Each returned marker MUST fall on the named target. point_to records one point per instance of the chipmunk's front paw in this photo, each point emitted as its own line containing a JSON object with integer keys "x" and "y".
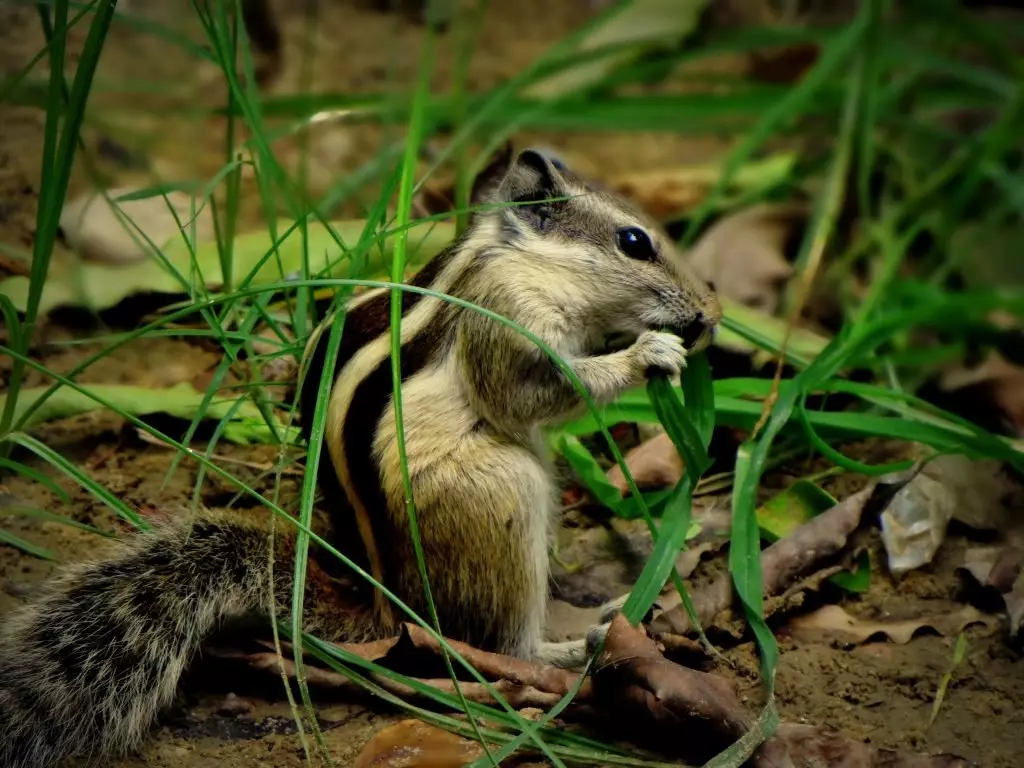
{"x": 659, "y": 352}
{"x": 613, "y": 608}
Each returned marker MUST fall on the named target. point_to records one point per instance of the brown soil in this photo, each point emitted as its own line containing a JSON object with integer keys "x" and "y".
{"x": 879, "y": 692}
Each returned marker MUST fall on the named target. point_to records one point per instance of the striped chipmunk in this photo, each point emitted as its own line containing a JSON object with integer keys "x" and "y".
{"x": 86, "y": 667}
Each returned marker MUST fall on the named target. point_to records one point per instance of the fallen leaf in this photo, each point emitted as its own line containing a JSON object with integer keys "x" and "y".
{"x": 786, "y": 561}
{"x": 743, "y": 254}
{"x": 654, "y": 464}
{"x": 182, "y": 400}
{"x": 1002, "y": 570}
{"x": 980, "y": 490}
{"x": 948, "y": 487}
{"x": 645, "y": 689}
{"x": 650, "y": 694}
{"x": 914, "y": 525}
{"x": 786, "y": 511}
{"x": 102, "y": 228}
{"x": 414, "y": 744}
{"x": 102, "y": 286}
{"x": 997, "y": 380}
{"x": 634, "y": 689}
{"x": 832, "y": 619}
{"x": 997, "y": 567}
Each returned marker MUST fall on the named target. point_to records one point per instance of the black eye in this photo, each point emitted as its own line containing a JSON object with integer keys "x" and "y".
{"x": 635, "y": 243}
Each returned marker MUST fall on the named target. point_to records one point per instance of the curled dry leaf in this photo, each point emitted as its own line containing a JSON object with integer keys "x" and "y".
{"x": 997, "y": 567}
{"x": 834, "y": 620}
{"x": 997, "y": 380}
{"x": 1001, "y": 569}
{"x": 646, "y": 693}
{"x": 650, "y": 692}
{"x": 414, "y": 744}
{"x": 914, "y": 525}
{"x": 949, "y": 487}
{"x": 980, "y": 489}
{"x": 654, "y": 463}
{"x": 743, "y": 253}
{"x": 103, "y": 229}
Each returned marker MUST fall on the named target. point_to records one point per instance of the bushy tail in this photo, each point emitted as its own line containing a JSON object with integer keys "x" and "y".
{"x": 85, "y": 670}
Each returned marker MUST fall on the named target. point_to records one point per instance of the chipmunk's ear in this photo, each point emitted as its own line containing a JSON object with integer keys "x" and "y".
{"x": 487, "y": 182}
{"x": 533, "y": 178}
{"x": 528, "y": 180}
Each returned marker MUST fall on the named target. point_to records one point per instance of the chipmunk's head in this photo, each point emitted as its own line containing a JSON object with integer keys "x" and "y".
{"x": 600, "y": 253}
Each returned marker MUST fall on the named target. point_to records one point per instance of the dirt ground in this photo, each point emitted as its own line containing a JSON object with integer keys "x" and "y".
{"x": 879, "y": 691}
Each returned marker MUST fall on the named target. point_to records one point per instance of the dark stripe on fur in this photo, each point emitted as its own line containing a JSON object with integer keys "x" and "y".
{"x": 363, "y": 324}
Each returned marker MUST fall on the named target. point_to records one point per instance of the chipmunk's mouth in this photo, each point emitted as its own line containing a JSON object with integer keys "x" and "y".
{"x": 697, "y": 335}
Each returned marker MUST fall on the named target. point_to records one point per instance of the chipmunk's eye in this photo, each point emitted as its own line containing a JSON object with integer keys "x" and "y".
{"x": 635, "y": 243}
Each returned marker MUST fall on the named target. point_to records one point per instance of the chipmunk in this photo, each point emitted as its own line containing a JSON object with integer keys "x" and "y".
{"x": 86, "y": 668}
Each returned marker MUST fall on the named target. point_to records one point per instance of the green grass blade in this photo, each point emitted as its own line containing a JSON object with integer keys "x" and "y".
{"x": 12, "y": 539}
{"x": 68, "y": 468}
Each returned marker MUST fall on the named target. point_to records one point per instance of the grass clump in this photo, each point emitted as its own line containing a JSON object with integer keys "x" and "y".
{"x": 895, "y": 187}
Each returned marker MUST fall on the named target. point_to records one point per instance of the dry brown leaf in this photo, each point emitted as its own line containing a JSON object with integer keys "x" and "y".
{"x": 654, "y": 463}
{"x": 743, "y": 254}
{"x": 664, "y": 193}
{"x": 786, "y": 561}
{"x": 657, "y": 697}
{"x": 1015, "y": 606}
{"x": 645, "y": 693}
{"x": 997, "y": 567}
{"x": 832, "y": 619}
{"x": 980, "y": 490}
{"x": 1002, "y": 569}
{"x": 1000, "y": 380}
{"x": 414, "y": 744}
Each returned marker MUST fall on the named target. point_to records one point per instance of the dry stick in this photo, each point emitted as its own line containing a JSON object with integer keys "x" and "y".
{"x": 519, "y": 671}
{"x": 781, "y": 563}
{"x": 518, "y": 696}
{"x": 523, "y": 683}
{"x": 635, "y": 691}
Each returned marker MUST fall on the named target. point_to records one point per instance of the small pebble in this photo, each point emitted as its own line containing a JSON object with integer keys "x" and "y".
{"x": 234, "y": 706}
{"x": 19, "y": 589}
